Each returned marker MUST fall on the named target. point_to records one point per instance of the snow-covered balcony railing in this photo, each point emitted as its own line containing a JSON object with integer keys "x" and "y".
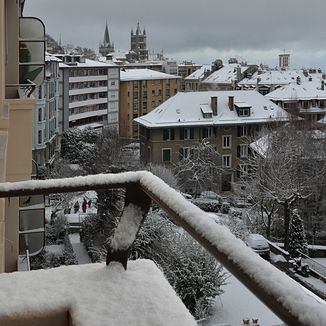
{"x": 275, "y": 289}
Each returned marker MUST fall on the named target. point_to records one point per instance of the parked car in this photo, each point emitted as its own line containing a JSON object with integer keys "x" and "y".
{"x": 258, "y": 244}
{"x": 210, "y": 195}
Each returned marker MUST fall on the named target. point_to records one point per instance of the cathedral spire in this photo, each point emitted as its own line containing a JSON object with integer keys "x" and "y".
{"x": 106, "y": 35}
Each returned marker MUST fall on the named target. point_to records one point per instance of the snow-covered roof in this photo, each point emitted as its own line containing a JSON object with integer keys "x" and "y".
{"x": 184, "y": 109}
{"x": 143, "y": 74}
{"x": 275, "y": 77}
{"x": 199, "y": 73}
{"x": 97, "y": 294}
{"x": 87, "y": 64}
{"x": 306, "y": 90}
{"x": 225, "y": 74}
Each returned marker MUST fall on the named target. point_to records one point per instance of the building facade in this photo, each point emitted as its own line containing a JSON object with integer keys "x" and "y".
{"x": 16, "y": 106}
{"x": 185, "y": 69}
{"x": 138, "y": 44}
{"x": 89, "y": 93}
{"x": 46, "y": 116}
{"x": 141, "y": 91}
{"x": 284, "y": 61}
{"x": 229, "y": 119}
{"x": 303, "y": 98}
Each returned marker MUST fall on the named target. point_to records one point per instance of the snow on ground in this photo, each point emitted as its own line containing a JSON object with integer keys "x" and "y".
{"x": 238, "y": 303}
{"x": 79, "y": 249}
{"x": 55, "y": 249}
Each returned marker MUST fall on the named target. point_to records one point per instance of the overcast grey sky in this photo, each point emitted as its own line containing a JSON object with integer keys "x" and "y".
{"x": 198, "y": 30}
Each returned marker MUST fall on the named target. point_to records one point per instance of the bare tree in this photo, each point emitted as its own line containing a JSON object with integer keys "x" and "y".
{"x": 199, "y": 166}
{"x": 282, "y": 173}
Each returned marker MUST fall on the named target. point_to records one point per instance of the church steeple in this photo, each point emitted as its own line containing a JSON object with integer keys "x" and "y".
{"x": 106, "y": 47}
{"x": 106, "y": 35}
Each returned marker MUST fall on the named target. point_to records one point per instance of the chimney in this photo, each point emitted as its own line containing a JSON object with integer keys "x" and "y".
{"x": 238, "y": 73}
{"x": 231, "y": 102}
{"x": 214, "y": 105}
{"x": 310, "y": 78}
{"x": 298, "y": 80}
{"x": 322, "y": 85}
{"x": 324, "y": 75}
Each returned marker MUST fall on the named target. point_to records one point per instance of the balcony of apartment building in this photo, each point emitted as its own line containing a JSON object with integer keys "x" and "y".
{"x": 123, "y": 292}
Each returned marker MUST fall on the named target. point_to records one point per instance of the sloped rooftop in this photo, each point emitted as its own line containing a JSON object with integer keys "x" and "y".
{"x": 143, "y": 74}
{"x": 184, "y": 109}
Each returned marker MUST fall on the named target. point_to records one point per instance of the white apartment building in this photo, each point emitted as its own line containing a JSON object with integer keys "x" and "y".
{"x": 45, "y": 121}
{"x": 89, "y": 92}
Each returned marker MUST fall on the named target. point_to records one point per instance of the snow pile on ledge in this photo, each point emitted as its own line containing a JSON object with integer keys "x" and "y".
{"x": 97, "y": 294}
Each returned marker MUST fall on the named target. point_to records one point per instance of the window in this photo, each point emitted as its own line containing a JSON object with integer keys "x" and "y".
{"x": 153, "y": 104}
{"x": 166, "y": 155}
{"x": 186, "y": 133}
{"x": 244, "y": 112}
{"x": 153, "y": 92}
{"x": 136, "y": 96}
{"x": 40, "y": 136}
{"x": 145, "y": 95}
{"x": 185, "y": 153}
{"x": 40, "y": 114}
{"x": 40, "y": 92}
{"x": 226, "y": 141}
{"x": 135, "y": 84}
{"x": 144, "y": 106}
{"x": 153, "y": 82}
{"x": 149, "y": 153}
{"x": 113, "y": 83}
{"x": 160, "y": 92}
{"x": 226, "y": 161}
{"x": 167, "y": 93}
{"x": 135, "y": 107}
{"x": 168, "y": 134}
{"x": 160, "y": 81}
{"x": 243, "y": 170}
{"x": 209, "y": 132}
{"x": 144, "y": 83}
{"x": 242, "y": 150}
{"x": 243, "y": 131}
{"x": 168, "y": 83}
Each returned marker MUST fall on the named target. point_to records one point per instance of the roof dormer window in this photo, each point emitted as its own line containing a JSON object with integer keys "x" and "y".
{"x": 243, "y": 109}
{"x": 244, "y": 112}
{"x": 206, "y": 111}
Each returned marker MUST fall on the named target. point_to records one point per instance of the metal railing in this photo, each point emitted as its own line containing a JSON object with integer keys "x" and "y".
{"x": 141, "y": 189}
{"x": 320, "y": 269}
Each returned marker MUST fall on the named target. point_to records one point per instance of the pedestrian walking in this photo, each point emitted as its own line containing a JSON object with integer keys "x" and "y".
{"x": 84, "y": 205}
{"x": 76, "y": 207}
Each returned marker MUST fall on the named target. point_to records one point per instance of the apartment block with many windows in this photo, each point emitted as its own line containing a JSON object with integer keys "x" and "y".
{"x": 229, "y": 119}
{"x": 46, "y": 115}
{"x": 141, "y": 91}
{"x": 89, "y": 93}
